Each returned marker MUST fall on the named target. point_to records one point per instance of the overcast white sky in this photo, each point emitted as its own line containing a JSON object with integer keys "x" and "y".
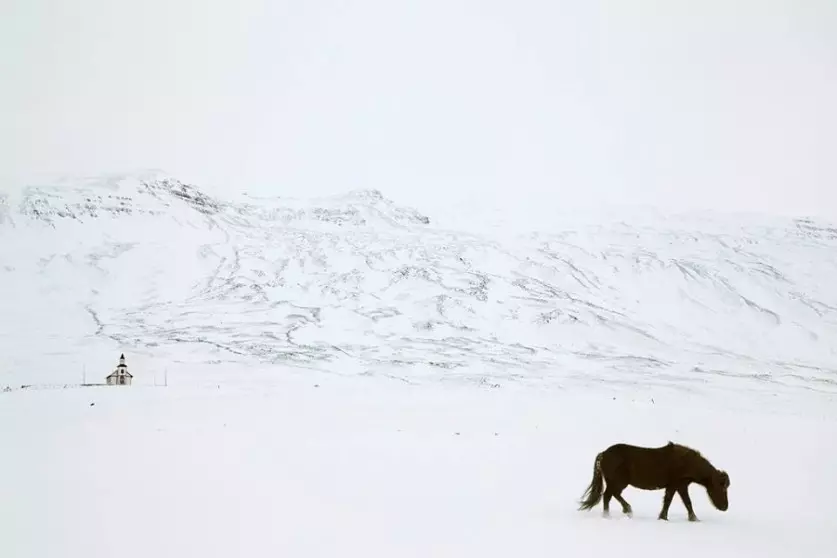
{"x": 723, "y": 104}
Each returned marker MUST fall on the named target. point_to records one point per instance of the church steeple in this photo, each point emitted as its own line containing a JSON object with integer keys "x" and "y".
{"x": 122, "y": 362}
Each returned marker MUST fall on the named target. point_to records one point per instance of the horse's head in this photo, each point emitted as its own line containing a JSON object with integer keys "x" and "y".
{"x": 717, "y": 490}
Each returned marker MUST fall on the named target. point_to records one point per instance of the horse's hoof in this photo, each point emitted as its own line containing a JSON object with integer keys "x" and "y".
{"x": 693, "y": 518}
{"x": 663, "y": 518}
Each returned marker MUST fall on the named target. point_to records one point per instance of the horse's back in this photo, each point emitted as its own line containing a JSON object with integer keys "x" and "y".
{"x": 644, "y": 467}
{"x": 630, "y": 449}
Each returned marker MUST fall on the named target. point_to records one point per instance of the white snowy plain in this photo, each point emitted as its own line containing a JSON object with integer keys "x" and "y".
{"x": 347, "y": 379}
{"x": 306, "y": 464}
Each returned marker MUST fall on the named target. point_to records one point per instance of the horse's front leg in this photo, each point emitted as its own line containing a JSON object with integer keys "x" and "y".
{"x": 666, "y": 503}
{"x": 687, "y": 501}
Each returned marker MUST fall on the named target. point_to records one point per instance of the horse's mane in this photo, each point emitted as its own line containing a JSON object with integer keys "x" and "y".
{"x": 685, "y": 449}
{"x": 695, "y": 454}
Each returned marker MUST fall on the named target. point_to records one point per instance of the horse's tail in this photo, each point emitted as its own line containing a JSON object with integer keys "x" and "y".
{"x": 593, "y": 494}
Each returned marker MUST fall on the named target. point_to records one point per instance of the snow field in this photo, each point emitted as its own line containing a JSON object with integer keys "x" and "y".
{"x": 373, "y": 467}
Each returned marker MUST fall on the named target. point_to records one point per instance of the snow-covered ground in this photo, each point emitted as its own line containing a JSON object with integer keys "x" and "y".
{"x": 347, "y": 376}
{"x": 292, "y": 463}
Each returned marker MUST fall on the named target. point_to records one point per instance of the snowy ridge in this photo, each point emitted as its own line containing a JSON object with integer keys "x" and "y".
{"x": 359, "y": 284}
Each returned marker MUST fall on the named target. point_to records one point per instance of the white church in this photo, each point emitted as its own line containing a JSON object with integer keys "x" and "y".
{"x": 120, "y": 376}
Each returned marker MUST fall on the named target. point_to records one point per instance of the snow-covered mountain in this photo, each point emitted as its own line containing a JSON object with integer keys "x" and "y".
{"x": 359, "y": 284}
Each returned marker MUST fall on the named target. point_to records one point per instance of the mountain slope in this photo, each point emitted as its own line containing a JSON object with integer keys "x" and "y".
{"x": 358, "y": 284}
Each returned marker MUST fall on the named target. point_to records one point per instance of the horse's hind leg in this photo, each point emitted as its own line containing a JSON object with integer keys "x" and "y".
{"x": 608, "y": 494}
{"x": 626, "y": 507}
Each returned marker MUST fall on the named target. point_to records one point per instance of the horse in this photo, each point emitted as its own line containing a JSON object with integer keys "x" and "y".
{"x": 672, "y": 467}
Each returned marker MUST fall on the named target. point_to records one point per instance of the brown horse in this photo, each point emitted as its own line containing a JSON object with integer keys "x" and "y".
{"x": 672, "y": 467}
